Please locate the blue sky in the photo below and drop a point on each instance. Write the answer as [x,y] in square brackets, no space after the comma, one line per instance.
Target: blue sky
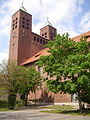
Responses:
[72,16]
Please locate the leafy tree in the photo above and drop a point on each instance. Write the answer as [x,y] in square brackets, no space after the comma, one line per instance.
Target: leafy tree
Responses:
[8,81]
[31,82]
[18,79]
[10,74]
[69,64]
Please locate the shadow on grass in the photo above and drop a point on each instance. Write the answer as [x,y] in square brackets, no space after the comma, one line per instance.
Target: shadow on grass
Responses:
[29,107]
[76,112]
[71,112]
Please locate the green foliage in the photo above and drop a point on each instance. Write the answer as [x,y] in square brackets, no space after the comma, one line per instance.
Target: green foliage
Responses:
[69,64]
[3,104]
[9,75]
[60,107]
[30,83]
[11,100]
[8,81]
[18,79]
[19,104]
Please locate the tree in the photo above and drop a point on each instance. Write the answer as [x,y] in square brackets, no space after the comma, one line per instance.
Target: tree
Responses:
[8,81]
[10,74]
[18,79]
[31,82]
[69,64]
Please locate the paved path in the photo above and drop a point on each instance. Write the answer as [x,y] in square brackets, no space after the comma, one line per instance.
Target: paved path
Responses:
[36,115]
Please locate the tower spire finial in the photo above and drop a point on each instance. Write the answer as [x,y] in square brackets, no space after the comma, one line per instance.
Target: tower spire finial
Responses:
[48,22]
[22,2]
[22,7]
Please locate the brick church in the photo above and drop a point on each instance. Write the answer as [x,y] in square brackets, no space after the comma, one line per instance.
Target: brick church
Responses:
[26,47]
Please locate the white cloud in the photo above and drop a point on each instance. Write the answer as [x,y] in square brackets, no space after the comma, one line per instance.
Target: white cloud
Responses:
[3,55]
[57,10]
[85,22]
[61,14]
[6,12]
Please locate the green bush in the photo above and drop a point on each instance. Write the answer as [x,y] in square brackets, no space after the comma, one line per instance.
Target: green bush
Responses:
[19,104]
[11,101]
[3,104]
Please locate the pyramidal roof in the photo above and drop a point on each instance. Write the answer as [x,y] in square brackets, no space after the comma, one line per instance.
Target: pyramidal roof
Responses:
[23,8]
[48,22]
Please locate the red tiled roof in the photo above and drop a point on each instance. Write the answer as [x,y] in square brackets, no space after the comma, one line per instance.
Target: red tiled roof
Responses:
[87,34]
[45,51]
[37,56]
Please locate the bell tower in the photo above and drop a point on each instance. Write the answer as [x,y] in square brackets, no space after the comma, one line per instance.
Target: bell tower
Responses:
[48,32]
[20,37]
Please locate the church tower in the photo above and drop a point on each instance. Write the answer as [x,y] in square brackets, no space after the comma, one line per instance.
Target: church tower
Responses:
[23,42]
[20,37]
[48,32]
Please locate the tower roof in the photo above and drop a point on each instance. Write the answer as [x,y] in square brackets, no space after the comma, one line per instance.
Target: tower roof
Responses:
[22,7]
[48,22]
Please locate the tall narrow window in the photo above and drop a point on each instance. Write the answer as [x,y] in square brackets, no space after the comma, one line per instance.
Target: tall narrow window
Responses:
[23,18]
[27,20]
[16,26]
[40,40]
[43,42]
[27,27]
[34,38]
[23,22]
[27,23]
[23,26]
[37,39]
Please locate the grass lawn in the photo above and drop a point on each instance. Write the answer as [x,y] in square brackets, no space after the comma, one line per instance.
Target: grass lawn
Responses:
[61,107]
[65,109]
[6,109]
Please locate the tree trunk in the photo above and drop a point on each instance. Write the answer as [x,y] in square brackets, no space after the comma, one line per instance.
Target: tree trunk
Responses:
[80,105]
[35,96]
[26,98]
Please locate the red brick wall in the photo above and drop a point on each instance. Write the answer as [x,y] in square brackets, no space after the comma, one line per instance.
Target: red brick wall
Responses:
[48,32]
[13,46]
[20,37]
[43,95]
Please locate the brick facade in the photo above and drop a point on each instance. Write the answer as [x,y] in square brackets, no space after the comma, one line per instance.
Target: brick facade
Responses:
[44,96]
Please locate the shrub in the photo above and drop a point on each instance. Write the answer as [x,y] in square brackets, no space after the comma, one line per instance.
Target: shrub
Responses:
[11,101]
[19,104]
[3,104]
